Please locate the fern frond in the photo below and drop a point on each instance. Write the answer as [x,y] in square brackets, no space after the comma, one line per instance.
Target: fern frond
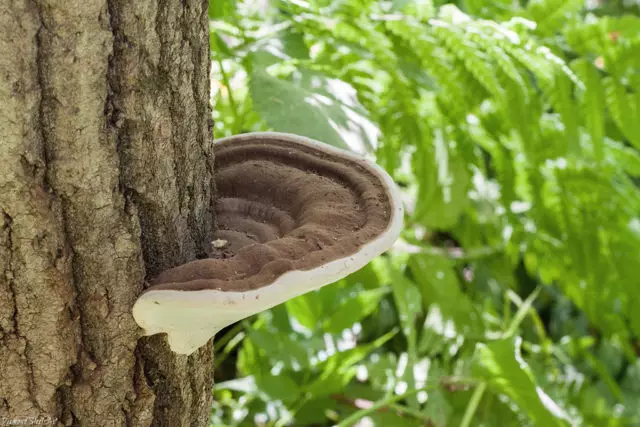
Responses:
[438,63]
[592,105]
[550,14]
[474,59]
[624,108]
[626,158]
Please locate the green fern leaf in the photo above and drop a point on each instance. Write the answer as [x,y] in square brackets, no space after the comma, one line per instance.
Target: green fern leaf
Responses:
[624,108]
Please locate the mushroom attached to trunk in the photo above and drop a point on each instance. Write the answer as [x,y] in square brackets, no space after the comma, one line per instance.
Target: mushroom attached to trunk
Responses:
[293,215]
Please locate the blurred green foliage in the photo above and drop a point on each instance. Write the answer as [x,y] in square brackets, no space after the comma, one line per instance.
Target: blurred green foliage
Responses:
[513,129]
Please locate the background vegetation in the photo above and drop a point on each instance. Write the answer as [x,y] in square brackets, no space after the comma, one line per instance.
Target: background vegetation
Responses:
[513,128]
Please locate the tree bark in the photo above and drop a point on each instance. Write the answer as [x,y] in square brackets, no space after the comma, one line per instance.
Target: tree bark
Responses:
[106,179]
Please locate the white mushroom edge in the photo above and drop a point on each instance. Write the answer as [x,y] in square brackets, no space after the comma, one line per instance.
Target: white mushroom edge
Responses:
[191,318]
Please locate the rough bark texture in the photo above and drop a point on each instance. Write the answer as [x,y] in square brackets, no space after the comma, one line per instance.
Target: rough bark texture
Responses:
[106,179]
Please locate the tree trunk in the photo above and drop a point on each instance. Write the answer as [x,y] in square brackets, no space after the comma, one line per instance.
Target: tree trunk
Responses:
[106,179]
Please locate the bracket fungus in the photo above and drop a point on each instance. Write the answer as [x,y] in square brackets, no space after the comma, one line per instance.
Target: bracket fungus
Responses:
[293,215]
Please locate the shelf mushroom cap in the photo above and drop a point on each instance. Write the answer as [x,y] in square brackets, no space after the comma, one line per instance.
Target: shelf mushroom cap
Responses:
[294,214]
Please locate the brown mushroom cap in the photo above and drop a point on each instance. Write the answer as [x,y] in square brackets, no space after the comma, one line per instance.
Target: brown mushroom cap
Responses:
[293,215]
[283,205]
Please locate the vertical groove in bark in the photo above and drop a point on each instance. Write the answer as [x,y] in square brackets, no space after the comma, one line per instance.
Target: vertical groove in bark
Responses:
[108,167]
[74,44]
[170,127]
[38,332]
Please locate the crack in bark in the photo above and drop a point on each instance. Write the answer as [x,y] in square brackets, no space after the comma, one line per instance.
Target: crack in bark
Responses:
[8,273]
[197,226]
[114,117]
[31,383]
[167,68]
[117,119]
[201,245]
[75,371]
[40,80]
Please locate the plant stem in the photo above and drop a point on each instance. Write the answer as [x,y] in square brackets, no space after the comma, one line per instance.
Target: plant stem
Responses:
[523,309]
[227,83]
[353,418]
[476,397]
[408,411]
[218,344]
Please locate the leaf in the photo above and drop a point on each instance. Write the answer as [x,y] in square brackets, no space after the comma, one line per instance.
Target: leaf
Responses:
[286,44]
[289,349]
[217,45]
[500,364]
[306,310]
[395,419]
[314,411]
[550,14]
[381,371]
[313,106]
[353,309]
[408,301]
[245,385]
[441,290]
[294,45]
[624,109]
[366,277]
[398,5]
[564,104]
[339,369]
[593,101]
[278,387]
[442,192]
[221,9]
[249,359]
[437,408]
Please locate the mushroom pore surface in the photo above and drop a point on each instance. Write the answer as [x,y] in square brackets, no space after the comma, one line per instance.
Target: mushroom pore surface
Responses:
[283,205]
